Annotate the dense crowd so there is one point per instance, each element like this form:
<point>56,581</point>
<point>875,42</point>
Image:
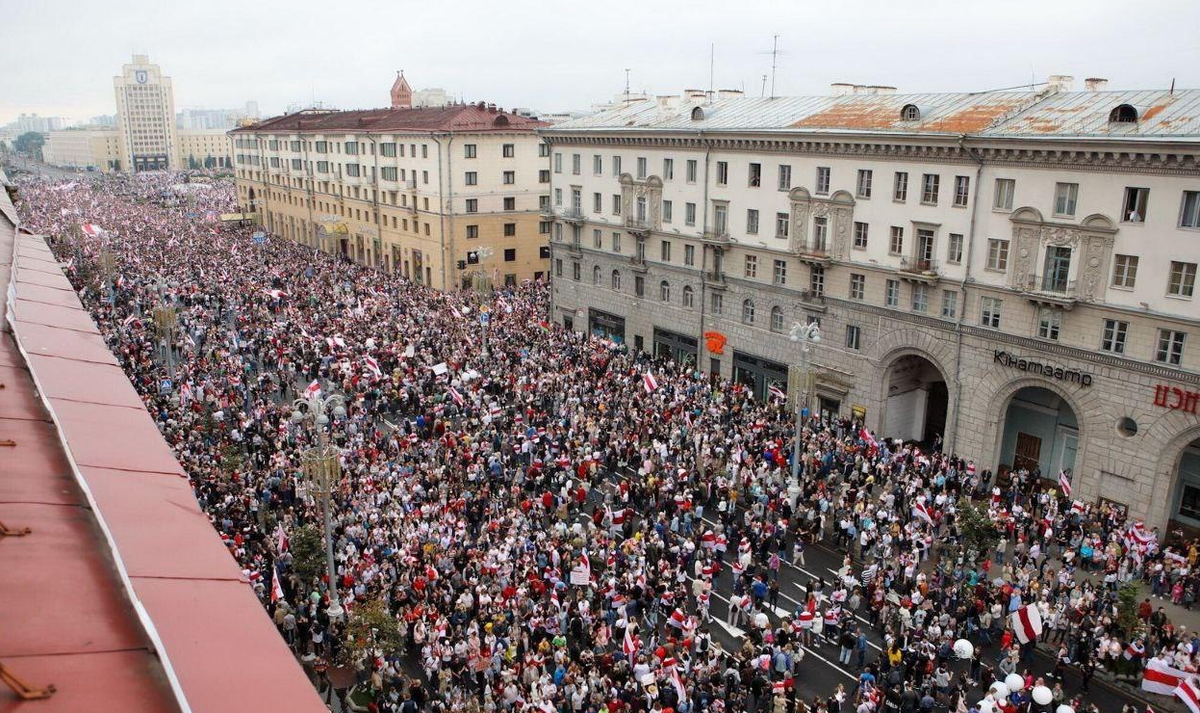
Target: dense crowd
<point>552,530</point>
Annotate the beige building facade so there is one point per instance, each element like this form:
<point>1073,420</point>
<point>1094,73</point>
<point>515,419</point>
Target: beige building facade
<point>89,149</point>
<point>146,117</point>
<point>445,196</point>
<point>1013,273</point>
<point>205,148</point>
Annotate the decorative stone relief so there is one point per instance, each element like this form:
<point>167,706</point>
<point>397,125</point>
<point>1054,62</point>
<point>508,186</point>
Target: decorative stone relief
<point>838,209</point>
<point>1091,245</point>
<point>651,190</point>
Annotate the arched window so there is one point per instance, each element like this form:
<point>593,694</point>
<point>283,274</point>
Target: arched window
<point>596,275</point>
<point>748,311</point>
<point>664,291</point>
<point>776,319</point>
<point>1123,114</point>
<point>688,296</point>
<point>697,114</point>
<point>910,112</point>
<point>616,279</point>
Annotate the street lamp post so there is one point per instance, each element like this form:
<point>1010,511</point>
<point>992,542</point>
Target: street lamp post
<point>804,334</point>
<point>165,321</point>
<point>108,266</point>
<point>323,472</point>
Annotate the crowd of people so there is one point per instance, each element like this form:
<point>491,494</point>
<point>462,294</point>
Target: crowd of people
<point>550,529</point>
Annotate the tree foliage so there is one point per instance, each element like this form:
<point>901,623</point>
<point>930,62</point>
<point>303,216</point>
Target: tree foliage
<point>308,554</point>
<point>31,143</point>
<point>371,626</point>
<point>1127,608</point>
<point>977,532</point>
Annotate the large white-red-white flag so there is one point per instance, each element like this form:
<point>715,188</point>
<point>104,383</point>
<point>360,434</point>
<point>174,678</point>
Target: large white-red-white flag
<point>91,230</point>
<point>1160,677</point>
<point>372,366</point>
<point>922,512</point>
<point>281,538</point>
<point>313,389</point>
<point>1189,692</point>
<point>649,382</point>
<point>630,645</point>
<point>1064,483</point>
<point>276,589</point>
<point>1027,623</point>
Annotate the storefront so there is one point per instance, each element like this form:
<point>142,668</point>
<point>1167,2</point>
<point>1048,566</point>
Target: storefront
<point>606,325</point>
<point>759,374</point>
<point>1041,431</point>
<point>680,347</point>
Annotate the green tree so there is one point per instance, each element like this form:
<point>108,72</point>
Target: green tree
<point>308,554</point>
<point>1127,606</point>
<point>31,143</point>
<point>976,531</point>
<point>371,626</point>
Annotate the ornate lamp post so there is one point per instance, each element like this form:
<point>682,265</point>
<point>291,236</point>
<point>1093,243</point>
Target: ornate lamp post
<point>107,263</point>
<point>804,334</point>
<point>165,321</point>
<point>323,472</point>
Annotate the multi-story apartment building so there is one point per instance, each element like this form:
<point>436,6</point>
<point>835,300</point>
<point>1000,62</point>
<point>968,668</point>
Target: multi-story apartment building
<point>1012,271</point>
<point>441,194</point>
<point>145,117</point>
<point>89,148</point>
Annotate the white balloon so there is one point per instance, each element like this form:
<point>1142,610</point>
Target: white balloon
<point>985,706</point>
<point>1064,708</point>
<point>370,343</point>
<point>1042,695</point>
<point>1000,690</point>
<point>964,649</point>
<point>1015,682</point>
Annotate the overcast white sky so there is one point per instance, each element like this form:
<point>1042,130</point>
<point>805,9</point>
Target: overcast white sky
<point>58,58</point>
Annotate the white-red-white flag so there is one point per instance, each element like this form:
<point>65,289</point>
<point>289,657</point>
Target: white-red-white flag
<point>1027,623</point>
<point>1064,483</point>
<point>1189,693</point>
<point>649,382</point>
<point>276,589</point>
<point>922,512</point>
<point>458,397</point>
<point>372,366</point>
<point>630,645</point>
<point>1159,677</point>
<point>313,389</point>
<point>91,230</point>
<point>276,294</point>
<point>281,538</point>
<point>777,392</point>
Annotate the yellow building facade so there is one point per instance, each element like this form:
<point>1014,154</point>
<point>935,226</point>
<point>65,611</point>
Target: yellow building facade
<point>205,148</point>
<point>87,149</point>
<point>444,195</point>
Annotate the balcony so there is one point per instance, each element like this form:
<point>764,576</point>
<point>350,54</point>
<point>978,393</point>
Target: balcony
<point>715,279</point>
<point>814,254</point>
<point>716,236</point>
<point>813,299</point>
<point>918,269</point>
<point>1050,289</point>
<point>572,215</point>
<point>410,183</point>
<point>640,227</point>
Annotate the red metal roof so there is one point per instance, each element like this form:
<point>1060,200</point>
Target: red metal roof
<point>124,596</point>
<point>457,117</point>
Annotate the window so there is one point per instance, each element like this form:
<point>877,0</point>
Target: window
<point>664,291</point>
<point>689,255</point>
<point>1125,271</point>
<point>722,173</point>
<point>752,222</point>
<point>748,311</point>
<point>900,187</point>
<point>388,173</point>
<point>558,267</point>
<point>665,251</point>
<point>716,303</point>
<point>1065,197</point>
<point>576,164</point>
<point>597,203</point>
<point>989,312</point>
<point>929,188</point>
<point>639,286</point>
<point>574,268</point>
<point>1170,347</point>
<point>668,169</point>
<point>691,170</point>
<point>816,281</point>
<point>955,249</point>
<point>751,269</point>
<point>558,163</point>
<point>896,245</point>
<point>616,166</point>
<point>351,147</point>
<point>322,147</point>
<point>920,298</point>
<point>776,319</point>
<point>782,222</point>
<point>469,151</point>
<point>508,150</point>
<point>720,218</point>
<point>510,203</point>
<point>667,212</point>
<point>755,175</point>
<point>822,180</point>
<point>1003,198</point>
<point>598,239</point>
<point>1049,323</point>
<point>353,170</point>
<point>962,191</point>
<point>472,178</point>
<point>616,204</point>
<point>1189,213</point>
<point>1183,279</point>
<point>616,279</point>
<point>597,164</point>
<point>820,233</point>
<point>689,213</point>
<point>949,304</point>
<point>1113,338</point>
<point>472,232</point>
<point>785,178</point>
<point>595,274</point>
<point>510,230</point>
<point>1135,205</point>
<point>858,286</point>
<point>688,296</point>
<point>853,337</point>
<point>997,257</point>
<point>863,187</point>
<point>322,167</point>
<point>779,273</point>
<point>616,242</point>
<point>860,235</point>
<point>510,177</point>
<point>891,293</point>
<point>641,167</point>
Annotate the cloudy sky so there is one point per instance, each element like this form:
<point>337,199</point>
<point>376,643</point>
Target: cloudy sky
<point>58,57</point>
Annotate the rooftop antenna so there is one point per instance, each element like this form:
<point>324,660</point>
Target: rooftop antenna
<point>1172,85</point>
<point>774,56</point>
<point>763,93</point>
<point>712,53</point>
<point>627,84</point>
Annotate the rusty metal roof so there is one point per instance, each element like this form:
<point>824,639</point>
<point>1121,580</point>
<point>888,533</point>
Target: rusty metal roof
<point>456,117</point>
<point>997,113</point>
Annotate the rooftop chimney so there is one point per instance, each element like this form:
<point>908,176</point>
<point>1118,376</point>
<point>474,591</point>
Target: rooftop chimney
<point>1060,82</point>
<point>729,93</point>
<point>1095,84</point>
<point>667,102</point>
<point>690,94</point>
<point>841,88</point>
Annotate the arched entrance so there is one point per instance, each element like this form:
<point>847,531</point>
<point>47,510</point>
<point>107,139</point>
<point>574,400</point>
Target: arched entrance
<point>1040,433</point>
<point>1185,496</point>
<point>916,400</point>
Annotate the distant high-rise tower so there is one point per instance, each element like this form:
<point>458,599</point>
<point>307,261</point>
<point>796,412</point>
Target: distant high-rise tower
<point>145,117</point>
<point>401,92</point>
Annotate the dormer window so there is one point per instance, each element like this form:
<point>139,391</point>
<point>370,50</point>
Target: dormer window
<point>1123,114</point>
<point>502,121</point>
<point>697,113</point>
<point>910,112</point>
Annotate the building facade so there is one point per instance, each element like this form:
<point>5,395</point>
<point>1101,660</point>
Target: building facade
<point>1013,272</point>
<point>445,196</point>
<point>205,148</point>
<point>89,148</point>
<point>146,117</point>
